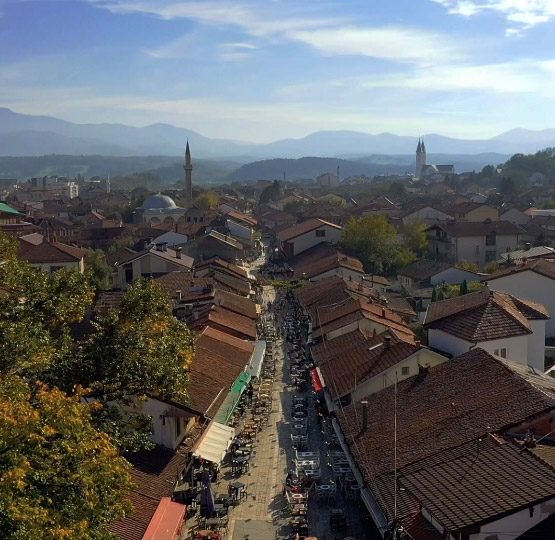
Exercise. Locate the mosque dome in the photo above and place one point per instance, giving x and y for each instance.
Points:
(158, 202)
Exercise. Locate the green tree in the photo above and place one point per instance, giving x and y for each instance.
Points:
(373, 240)
(97, 269)
(468, 266)
(142, 349)
(463, 288)
(35, 309)
(271, 193)
(207, 201)
(60, 478)
(434, 295)
(491, 268)
(415, 237)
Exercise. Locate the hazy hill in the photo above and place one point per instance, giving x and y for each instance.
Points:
(22, 134)
(156, 139)
(169, 168)
(308, 167)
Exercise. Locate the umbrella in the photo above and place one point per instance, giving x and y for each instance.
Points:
(207, 497)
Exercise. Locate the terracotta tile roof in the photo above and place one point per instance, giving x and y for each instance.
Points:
(170, 255)
(227, 320)
(237, 216)
(322, 258)
(52, 252)
(484, 315)
(303, 228)
(423, 270)
(334, 317)
(154, 473)
(353, 358)
(469, 396)
(237, 304)
(181, 281)
(324, 292)
(477, 482)
(119, 254)
(476, 228)
(538, 266)
(218, 361)
(222, 266)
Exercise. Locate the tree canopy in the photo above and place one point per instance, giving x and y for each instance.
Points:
(61, 431)
(374, 240)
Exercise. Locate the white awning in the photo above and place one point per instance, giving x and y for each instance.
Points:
(215, 442)
(257, 358)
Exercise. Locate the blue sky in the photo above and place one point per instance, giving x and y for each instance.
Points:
(268, 69)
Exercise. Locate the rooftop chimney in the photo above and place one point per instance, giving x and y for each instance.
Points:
(178, 252)
(387, 341)
(179, 295)
(383, 313)
(527, 246)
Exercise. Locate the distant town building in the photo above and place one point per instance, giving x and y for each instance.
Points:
(328, 179)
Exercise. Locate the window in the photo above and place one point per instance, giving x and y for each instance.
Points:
(128, 274)
(491, 239)
(177, 427)
(500, 352)
(491, 256)
(405, 370)
(320, 233)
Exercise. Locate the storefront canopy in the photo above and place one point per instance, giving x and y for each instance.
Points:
(241, 382)
(227, 407)
(215, 442)
(255, 365)
(167, 521)
(318, 380)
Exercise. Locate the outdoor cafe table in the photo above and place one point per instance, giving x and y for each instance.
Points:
(206, 533)
(213, 522)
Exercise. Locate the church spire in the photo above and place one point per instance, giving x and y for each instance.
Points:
(188, 175)
(419, 147)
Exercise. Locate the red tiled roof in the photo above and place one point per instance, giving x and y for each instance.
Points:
(484, 315)
(322, 258)
(218, 361)
(477, 482)
(154, 473)
(332, 318)
(243, 217)
(303, 228)
(228, 320)
(476, 228)
(54, 252)
(469, 396)
(539, 266)
(352, 358)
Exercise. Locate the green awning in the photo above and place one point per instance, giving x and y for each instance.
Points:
(223, 416)
(9, 210)
(241, 382)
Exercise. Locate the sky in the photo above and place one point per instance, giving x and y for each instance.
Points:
(261, 70)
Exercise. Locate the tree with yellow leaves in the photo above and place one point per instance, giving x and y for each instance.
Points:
(60, 478)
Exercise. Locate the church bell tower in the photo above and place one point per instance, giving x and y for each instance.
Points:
(420, 158)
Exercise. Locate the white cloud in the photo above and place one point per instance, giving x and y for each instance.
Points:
(391, 43)
(301, 23)
(521, 14)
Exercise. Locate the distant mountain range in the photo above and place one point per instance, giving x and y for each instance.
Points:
(27, 135)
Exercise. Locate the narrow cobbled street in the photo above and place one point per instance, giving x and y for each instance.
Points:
(317, 476)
